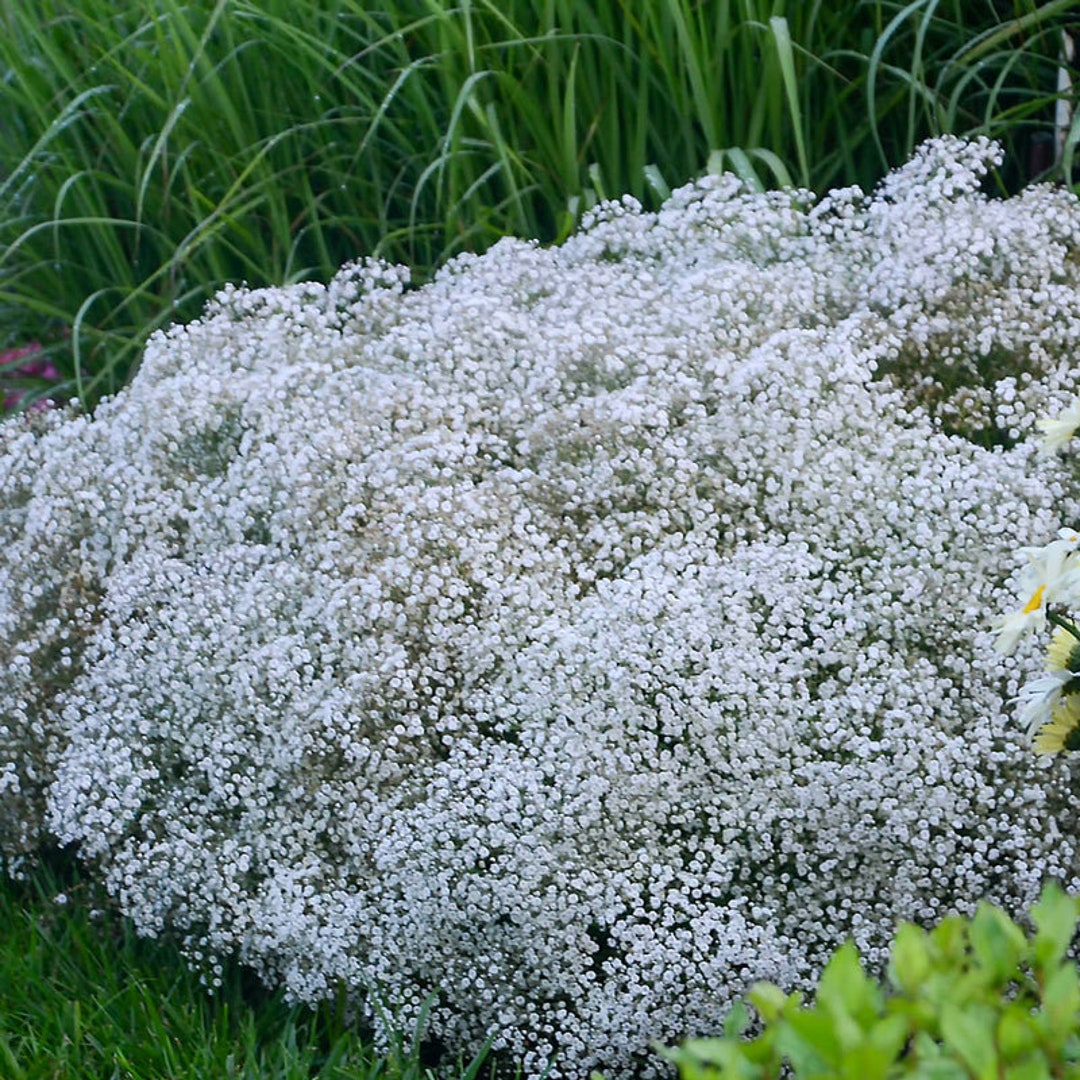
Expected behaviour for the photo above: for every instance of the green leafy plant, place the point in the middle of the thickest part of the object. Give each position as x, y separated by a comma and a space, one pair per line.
974, 998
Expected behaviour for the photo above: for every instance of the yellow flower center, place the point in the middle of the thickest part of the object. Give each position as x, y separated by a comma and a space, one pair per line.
1035, 602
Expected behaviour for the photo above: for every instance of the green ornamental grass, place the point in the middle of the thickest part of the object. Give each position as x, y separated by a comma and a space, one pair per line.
153, 151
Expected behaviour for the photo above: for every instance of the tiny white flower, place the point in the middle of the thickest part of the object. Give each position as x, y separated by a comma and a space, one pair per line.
549, 597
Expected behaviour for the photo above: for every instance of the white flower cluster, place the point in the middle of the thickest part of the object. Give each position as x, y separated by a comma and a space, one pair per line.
580, 636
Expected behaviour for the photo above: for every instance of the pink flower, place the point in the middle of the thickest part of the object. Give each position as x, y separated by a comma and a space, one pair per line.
38, 367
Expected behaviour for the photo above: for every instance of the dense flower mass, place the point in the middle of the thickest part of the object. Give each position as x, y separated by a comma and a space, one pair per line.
579, 636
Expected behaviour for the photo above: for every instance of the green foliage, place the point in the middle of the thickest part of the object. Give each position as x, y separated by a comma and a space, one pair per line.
81, 997
973, 998
146, 158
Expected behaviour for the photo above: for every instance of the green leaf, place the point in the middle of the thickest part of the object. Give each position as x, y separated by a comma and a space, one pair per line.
768, 999
707, 1059
866, 1062
845, 988
929, 1061
737, 1019
1032, 1068
1055, 918
909, 961
738, 160
655, 179
889, 1036
9, 1061
809, 1041
997, 942
949, 941
970, 1034
781, 33
1016, 1033
1061, 999
735, 159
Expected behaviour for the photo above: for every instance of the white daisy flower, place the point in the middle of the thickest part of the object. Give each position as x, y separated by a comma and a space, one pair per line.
1062, 733
1052, 575
1039, 698
1056, 433
1063, 651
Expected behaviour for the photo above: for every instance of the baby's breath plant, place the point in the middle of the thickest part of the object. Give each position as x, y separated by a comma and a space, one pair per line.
574, 639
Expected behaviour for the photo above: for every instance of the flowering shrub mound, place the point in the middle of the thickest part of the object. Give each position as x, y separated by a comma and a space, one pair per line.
581, 636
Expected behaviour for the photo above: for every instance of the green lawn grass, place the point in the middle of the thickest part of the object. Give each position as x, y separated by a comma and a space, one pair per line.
83, 998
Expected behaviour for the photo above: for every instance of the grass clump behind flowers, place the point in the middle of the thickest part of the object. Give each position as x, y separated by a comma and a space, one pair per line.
153, 152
